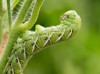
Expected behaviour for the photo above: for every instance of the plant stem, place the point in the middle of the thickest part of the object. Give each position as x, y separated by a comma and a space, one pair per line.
14, 33
35, 14
22, 12
9, 13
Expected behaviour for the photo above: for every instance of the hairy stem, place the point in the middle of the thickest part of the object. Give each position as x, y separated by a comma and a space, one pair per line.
35, 14
8, 48
22, 12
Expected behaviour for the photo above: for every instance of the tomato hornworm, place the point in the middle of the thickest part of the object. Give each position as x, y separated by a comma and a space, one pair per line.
31, 42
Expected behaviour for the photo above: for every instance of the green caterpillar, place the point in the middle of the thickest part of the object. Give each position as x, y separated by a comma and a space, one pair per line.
31, 42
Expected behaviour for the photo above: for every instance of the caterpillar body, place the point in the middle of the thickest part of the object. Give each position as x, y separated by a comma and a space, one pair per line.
31, 42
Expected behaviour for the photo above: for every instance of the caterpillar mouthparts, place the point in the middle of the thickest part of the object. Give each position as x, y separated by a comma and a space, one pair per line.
31, 42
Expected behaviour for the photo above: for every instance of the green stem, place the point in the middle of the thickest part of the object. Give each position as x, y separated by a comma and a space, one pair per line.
14, 33
22, 12
9, 13
35, 14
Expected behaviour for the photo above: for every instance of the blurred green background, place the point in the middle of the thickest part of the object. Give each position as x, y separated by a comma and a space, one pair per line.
79, 55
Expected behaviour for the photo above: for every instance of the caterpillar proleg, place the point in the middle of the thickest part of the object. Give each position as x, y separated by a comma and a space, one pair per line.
31, 42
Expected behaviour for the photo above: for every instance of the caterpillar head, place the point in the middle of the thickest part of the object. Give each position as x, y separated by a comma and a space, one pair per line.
71, 18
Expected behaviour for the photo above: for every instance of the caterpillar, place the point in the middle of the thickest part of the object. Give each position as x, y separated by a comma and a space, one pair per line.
32, 42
